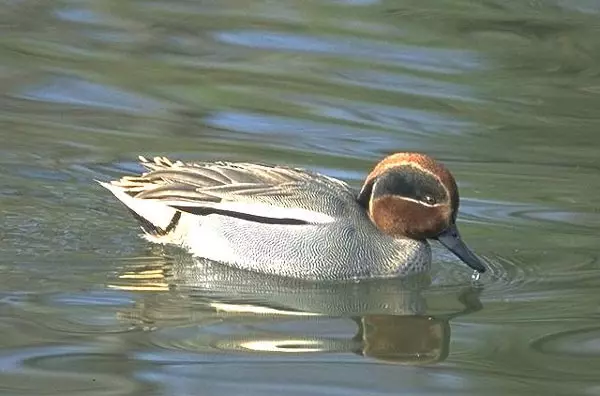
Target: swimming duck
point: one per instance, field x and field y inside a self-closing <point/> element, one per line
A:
<point x="295" y="223"/>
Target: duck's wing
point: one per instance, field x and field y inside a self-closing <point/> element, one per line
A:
<point x="264" y="193"/>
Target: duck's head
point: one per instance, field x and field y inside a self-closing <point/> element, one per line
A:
<point x="411" y="195"/>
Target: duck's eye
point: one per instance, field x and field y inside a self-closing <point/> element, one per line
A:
<point x="429" y="200"/>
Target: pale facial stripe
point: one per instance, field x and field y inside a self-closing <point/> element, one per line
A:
<point x="436" y="205"/>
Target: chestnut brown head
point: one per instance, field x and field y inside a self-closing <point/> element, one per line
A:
<point x="411" y="195"/>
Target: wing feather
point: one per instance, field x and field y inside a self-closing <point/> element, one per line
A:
<point x="254" y="190"/>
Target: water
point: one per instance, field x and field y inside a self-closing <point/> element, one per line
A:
<point x="506" y="93"/>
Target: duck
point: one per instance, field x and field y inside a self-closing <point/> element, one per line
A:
<point x="295" y="223"/>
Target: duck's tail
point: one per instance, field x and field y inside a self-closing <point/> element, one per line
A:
<point x="156" y="219"/>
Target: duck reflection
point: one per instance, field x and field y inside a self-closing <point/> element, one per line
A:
<point x="384" y="319"/>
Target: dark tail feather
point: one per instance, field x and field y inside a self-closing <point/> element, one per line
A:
<point x="152" y="229"/>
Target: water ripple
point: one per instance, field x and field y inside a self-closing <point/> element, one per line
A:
<point x="581" y="343"/>
<point x="406" y="84"/>
<point x="64" y="369"/>
<point x="417" y="58"/>
<point x="74" y="91"/>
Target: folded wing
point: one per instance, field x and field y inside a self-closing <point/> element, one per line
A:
<point x="247" y="191"/>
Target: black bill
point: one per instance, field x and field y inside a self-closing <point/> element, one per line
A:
<point x="451" y="239"/>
